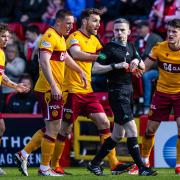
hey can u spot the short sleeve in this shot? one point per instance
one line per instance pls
(47, 42)
(98, 46)
(154, 53)
(2, 61)
(72, 41)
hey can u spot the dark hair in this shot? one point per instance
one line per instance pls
(174, 23)
(87, 12)
(3, 27)
(26, 76)
(61, 14)
(33, 29)
(122, 20)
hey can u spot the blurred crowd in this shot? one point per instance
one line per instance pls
(28, 19)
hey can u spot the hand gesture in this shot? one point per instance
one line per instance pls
(138, 73)
(21, 88)
(124, 65)
(133, 65)
(56, 93)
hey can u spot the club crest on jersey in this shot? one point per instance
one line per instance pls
(68, 115)
(74, 41)
(54, 113)
(46, 44)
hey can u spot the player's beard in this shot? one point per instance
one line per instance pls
(90, 30)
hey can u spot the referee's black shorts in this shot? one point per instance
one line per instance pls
(121, 102)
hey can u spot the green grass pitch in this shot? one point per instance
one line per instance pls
(83, 174)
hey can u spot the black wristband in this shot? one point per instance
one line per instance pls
(139, 62)
(113, 66)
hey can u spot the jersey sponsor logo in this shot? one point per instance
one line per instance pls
(62, 56)
(174, 68)
(58, 55)
(74, 41)
(46, 44)
(54, 107)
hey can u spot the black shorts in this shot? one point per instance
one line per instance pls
(121, 102)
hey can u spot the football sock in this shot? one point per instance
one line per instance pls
(134, 150)
(145, 160)
(44, 168)
(178, 150)
(24, 154)
(106, 147)
(113, 161)
(58, 150)
(147, 145)
(47, 149)
(35, 142)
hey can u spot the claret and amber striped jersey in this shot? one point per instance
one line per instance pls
(2, 64)
(53, 43)
(72, 81)
(168, 66)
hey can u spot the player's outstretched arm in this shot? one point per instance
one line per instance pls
(101, 69)
(18, 87)
(73, 65)
(149, 64)
(80, 55)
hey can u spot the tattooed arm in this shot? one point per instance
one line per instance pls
(18, 87)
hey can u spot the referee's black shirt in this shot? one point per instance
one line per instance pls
(114, 52)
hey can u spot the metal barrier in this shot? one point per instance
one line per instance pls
(78, 138)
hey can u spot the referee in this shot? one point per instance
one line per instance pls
(119, 60)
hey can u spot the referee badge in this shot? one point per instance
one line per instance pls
(102, 56)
